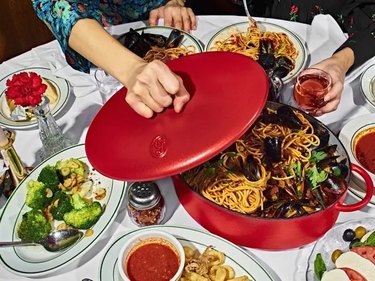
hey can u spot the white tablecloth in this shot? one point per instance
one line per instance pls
(322, 39)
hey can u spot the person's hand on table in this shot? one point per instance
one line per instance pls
(336, 66)
(175, 14)
(153, 87)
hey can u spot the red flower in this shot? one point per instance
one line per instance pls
(294, 9)
(25, 89)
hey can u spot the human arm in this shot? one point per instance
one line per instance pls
(151, 86)
(175, 14)
(61, 15)
(356, 50)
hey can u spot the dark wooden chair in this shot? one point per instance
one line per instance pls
(20, 28)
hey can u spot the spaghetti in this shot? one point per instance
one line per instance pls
(249, 43)
(165, 54)
(246, 180)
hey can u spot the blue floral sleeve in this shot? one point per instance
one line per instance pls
(61, 15)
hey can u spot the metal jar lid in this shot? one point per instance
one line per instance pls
(143, 195)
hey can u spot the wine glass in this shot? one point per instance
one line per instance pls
(107, 85)
(311, 86)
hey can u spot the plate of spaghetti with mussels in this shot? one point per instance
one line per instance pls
(160, 42)
(279, 51)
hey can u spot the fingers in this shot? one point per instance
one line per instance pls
(154, 17)
(193, 19)
(175, 16)
(332, 99)
(156, 87)
(181, 97)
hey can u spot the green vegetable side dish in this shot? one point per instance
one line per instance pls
(38, 196)
(49, 176)
(34, 226)
(71, 166)
(85, 217)
(61, 204)
(62, 197)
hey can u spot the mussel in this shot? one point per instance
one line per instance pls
(272, 147)
(283, 66)
(284, 116)
(275, 66)
(141, 43)
(289, 209)
(250, 168)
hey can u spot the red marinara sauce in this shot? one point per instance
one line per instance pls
(364, 149)
(152, 261)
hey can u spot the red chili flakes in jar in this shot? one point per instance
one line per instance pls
(145, 203)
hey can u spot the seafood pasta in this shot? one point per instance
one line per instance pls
(282, 167)
(273, 50)
(151, 46)
(165, 54)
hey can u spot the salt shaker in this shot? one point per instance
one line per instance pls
(145, 203)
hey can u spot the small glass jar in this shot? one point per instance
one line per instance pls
(145, 203)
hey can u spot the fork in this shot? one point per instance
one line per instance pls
(251, 19)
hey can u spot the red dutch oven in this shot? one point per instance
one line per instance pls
(269, 233)
(228, 92)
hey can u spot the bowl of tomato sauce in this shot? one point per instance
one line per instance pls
(151, 255)
(358, 137)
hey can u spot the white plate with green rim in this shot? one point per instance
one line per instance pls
(243, 263)
(347, 136)
(61, 86)
(368, 84)
(188, 40)
(35, 261)
(241, 27)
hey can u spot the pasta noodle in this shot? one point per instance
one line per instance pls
(249, 44)
(165, 54)
(208, 266)
(242, 178)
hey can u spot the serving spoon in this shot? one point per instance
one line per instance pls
(55, 241)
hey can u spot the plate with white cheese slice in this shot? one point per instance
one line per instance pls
(345, 253)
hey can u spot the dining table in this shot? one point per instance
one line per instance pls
(321, 39)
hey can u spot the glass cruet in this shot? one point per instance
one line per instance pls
(50, 133)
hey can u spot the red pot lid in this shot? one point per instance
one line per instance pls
(228, 92)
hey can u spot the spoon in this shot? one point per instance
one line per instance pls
(55, 241)
(251, 19)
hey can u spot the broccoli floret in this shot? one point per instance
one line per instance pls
(85, 217)
(38, 195)
(61, 204)
(34, 226)
(49, 176)
(71, 166)
(78, 202)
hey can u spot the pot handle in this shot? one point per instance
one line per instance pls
(369, 192)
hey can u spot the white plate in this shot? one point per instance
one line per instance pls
(188, 40)
(36, 261)
(347, 135)
(368, 84)
(63, 91)
(227, 31)
(331, 241)
(242, 262)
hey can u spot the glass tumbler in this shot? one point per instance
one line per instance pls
(107, 85)
(311, 86)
